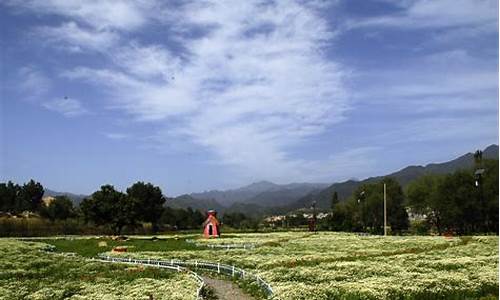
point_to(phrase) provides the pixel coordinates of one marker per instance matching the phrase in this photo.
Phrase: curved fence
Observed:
(219, 268)
(157, 264)
(222, 246)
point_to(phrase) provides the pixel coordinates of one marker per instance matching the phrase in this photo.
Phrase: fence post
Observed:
(233, 272)
(196, 264)
(218, 267)
(171, 262)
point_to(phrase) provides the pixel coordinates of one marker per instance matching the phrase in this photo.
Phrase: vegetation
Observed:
(346, 266)
(28, 272)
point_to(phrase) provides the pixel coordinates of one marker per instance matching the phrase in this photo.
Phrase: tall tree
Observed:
(151, 201)
(30, 197)
(61, 208)
(370, 202)
(110, 207)
(335, 200)
(9, 193)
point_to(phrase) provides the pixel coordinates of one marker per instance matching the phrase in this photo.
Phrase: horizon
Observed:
(285, 183)
(211, 96)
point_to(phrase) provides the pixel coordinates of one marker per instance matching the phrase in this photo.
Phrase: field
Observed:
(297, 265)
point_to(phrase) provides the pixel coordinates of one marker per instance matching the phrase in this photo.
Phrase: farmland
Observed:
(298, 265)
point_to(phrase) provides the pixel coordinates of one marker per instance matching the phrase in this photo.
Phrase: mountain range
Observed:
(265, 197)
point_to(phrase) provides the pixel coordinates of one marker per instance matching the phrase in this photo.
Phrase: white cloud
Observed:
(33, 83)
(72, 37)
(439, 14)
(254, 85)
(115, 14)
(116, 136)
(66, 106)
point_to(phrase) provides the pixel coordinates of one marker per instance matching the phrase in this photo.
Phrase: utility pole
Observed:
(385, 211)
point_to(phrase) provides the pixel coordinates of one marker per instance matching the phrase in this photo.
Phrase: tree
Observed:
(423, 198)
(150, 200)
(61, 208)
(110, 207)
(30, 196)
(370, 202)
(335, 200)
(9, 193)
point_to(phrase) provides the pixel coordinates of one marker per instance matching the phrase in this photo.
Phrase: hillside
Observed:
(76, 198)
(403, 176)
(263, 193)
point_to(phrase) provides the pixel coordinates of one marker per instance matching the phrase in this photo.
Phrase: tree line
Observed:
(107, 208)
(463, 202)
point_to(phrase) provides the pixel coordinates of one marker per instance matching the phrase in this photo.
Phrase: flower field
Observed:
(347, 266)
(28, 272)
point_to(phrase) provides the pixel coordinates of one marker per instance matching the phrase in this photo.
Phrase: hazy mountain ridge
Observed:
(265, 197)
(403, 176)
(76, 198)
(261, 193)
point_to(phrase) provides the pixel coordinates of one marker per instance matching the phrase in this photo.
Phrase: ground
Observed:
(300, 265)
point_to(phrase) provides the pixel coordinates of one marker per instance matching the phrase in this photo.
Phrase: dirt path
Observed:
(226, 290)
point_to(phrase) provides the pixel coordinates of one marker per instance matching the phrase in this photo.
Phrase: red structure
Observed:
(211, 225)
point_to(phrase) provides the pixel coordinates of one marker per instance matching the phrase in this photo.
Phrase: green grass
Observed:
(89, 247)
(29, 272)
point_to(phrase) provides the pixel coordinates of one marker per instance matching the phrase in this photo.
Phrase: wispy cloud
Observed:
(254, 85)
(33, 84)
(116, 136)
(438, 14)
(71, 36)
(120, 14)
(66, 106)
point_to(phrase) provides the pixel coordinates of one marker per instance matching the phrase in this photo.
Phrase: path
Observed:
(226, 290)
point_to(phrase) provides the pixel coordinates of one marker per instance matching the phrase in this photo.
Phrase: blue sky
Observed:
(197, 95)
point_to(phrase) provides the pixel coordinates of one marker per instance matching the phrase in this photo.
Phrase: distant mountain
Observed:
(185, 201)
(76, 198)
(403, 176)
(263, 193)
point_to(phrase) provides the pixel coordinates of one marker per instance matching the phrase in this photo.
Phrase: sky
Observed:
(201, 95)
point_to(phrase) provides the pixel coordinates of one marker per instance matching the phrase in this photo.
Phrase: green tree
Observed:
(490, 194)
(423, 199)
(110, 207)
(335, 200)
(151, 201)
(9, 193)
(370, 200)
(30, 196)
(61, 208)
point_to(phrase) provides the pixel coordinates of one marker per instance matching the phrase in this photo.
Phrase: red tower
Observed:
(211, 225)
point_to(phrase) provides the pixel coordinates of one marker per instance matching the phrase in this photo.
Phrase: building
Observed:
(211, 225)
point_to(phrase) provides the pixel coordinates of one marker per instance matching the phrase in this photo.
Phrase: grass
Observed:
(89, 247)
(29, 272)
(318, 266)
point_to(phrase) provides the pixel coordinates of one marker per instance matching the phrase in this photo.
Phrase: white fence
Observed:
(222, 246)
(219, 268)
(157, 264)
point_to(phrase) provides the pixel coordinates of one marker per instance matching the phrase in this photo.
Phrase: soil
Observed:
(226, 290)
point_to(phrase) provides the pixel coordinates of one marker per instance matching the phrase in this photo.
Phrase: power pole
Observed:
(385, 211)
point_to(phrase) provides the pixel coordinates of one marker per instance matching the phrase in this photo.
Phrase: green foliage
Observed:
(455, 203)
(370, 206)
(61, 208)
(239, 221)
(16, 199)
(150, 200)
(180, 219)
(110, 207)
